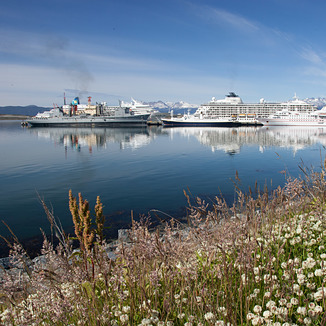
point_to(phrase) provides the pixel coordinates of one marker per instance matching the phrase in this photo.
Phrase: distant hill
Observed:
(161, 106)
(30, 110)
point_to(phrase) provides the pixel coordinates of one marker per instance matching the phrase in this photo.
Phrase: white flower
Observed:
(257, 309)
(209, 316)
(318, 272)
(318, 309)
(257, 321)
(250, 316)
(301, 278)
(146, 321)
(294, 301)
(307, 321)
(282, 302)
(320, 294)
(267, 314)
(126, 309)
(270, 304)
(296, 287)
(302, 311)
(124, 318)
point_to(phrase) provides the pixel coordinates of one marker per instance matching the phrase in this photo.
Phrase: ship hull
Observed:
(285, 122)
(78, 121)
(199, 123)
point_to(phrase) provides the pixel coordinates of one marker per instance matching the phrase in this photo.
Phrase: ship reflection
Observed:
(231, 140)
(228, 140)
(79, 138)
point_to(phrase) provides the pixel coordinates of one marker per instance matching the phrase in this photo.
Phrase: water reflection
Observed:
(78, 138)
(228, 140)
(231, 140)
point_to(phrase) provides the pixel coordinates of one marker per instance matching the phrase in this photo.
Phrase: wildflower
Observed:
(321, 292)
(250, 316)
(307, 321)
(267, 314)
(209, 316)
(126, 309)
(181, 316)
(270, 304)
(301, 278)
(257, 309)
(219, 323)
(318, 309)
(124, 318)
(296, 287)
(257, 320)
(318, 272)
(302, 311)
(282, 302)
(267, 295)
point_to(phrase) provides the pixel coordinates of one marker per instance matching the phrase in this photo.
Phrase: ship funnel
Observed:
(75, 101)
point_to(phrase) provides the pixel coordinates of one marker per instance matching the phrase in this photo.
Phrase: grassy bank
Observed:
(260, 262)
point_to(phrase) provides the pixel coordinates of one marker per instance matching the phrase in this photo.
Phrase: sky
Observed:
(169, 50)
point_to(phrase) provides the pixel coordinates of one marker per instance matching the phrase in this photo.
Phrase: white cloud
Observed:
(234, 20)
(311, 56)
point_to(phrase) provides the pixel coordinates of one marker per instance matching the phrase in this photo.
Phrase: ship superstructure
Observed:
(232, 105)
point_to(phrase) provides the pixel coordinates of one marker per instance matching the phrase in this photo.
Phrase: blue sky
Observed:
(169, 50)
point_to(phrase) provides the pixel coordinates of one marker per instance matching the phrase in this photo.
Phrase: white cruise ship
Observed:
(294, 118)
(232, 106)
(138, 107)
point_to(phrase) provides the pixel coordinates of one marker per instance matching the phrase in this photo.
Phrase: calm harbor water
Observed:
(139, 169)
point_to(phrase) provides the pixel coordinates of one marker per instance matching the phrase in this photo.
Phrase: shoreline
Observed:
(13, 117)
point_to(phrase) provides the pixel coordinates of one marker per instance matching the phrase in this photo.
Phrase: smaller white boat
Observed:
(248, 119)
(192, 120)
(295, 118)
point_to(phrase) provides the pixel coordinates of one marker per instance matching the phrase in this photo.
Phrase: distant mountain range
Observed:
(30, 110)
(160, 106)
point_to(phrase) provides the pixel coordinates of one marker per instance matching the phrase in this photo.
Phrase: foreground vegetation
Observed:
(260, 262)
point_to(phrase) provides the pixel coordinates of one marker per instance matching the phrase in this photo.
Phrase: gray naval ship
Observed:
(102, 115)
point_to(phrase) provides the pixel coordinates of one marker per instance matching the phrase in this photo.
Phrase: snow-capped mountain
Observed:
(177, 106)
(319, 101)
